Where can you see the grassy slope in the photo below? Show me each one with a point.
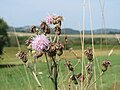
(14, 78)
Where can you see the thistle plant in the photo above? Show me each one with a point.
(79, 78)
(40, 44)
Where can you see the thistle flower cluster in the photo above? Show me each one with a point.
(55, 20)
(74, 77)
(40, 43)
(55, 48)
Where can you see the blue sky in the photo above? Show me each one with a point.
(31, 12)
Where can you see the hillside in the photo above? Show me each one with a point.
(71, 31)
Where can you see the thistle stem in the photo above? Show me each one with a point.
(47, 63)
(55, 73)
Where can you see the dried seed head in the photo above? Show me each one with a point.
(52, 50)
(47, 30)
(89, 68)
(80, 77)
(38, 54)
(28, 41)
(89, 54)
(44, 26)
(69, 65)
(66, 39)
(33, 29)
(105, 65)
(59, 18)
(22, 55)
(59, 52)
(59, 45)
(57, 30)
(74, 79)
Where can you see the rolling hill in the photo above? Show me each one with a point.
(70, 30)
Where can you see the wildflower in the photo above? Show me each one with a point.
(22, 55)
(40, 43)
(105, 65)
(50, 19)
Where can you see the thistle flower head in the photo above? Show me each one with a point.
(50, 19)
(40, 43)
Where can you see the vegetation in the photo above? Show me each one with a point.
(15, 77)
(4, 40)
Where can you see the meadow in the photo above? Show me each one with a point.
(15, 76)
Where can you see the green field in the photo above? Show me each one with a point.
(15, 77)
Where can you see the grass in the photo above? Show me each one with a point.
(15, 78)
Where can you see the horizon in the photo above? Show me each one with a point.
(27, 13)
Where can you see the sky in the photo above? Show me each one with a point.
(18, 13)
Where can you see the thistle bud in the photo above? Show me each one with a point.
(59, 45)
(22, 55)
(27, 42)
(47, 29)
(57, 30)
(52, 50)
(59, 52)
(38, 54)
(42, 25)
(105, 65)
(80, 77)
(89, 67)
(89, 54)
(33, 29)
(69, 65)
(66, 40)
(74, 79)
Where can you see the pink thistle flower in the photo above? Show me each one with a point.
(40, 43)
(50, 19)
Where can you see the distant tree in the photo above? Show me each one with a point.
(4, 40)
